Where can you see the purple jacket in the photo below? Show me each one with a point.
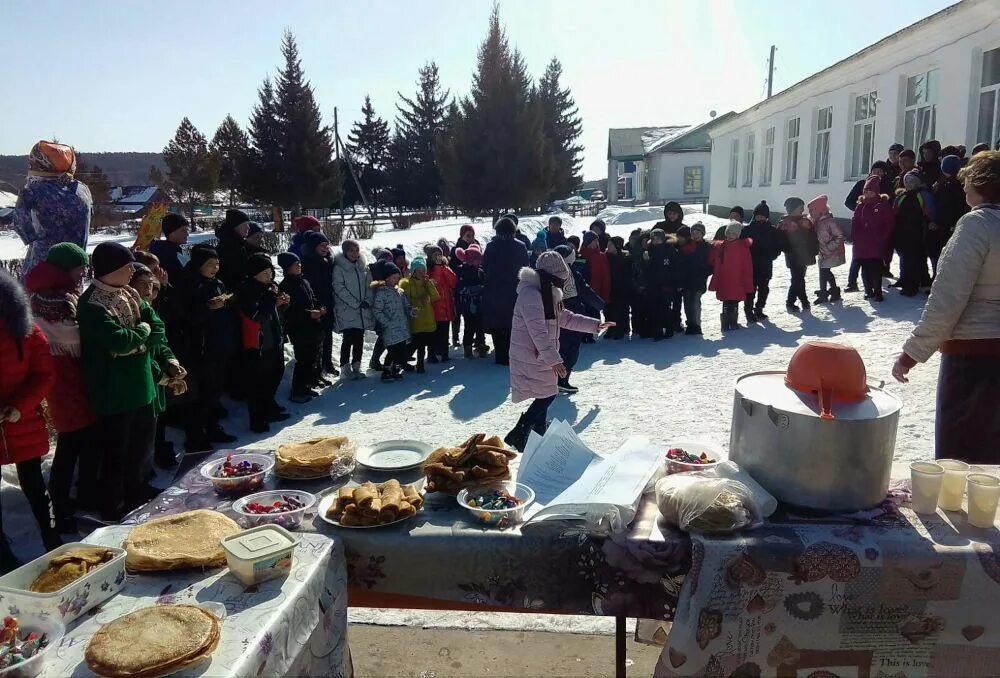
(51, 211)
(534, 341)
(871, 228)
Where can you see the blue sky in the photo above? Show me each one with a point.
(111, 75)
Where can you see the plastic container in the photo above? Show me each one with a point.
(984, 494)
(695, 448)
(498, 517)
(260, 554)
(289, 520)
(926, 479)
(241, 484)
(73, 600)
(53, 628)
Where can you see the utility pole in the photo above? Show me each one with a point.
(770, 72)
(336, 151)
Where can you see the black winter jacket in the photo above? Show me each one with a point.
(319, 272)
(298, 323)
(764, 249)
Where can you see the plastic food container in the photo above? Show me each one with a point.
(695, 448)
(289, 520)
(73, 600)
(242, 484)
(53, 628)
(260, 554)
(498, 517)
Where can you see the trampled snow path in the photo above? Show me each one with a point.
(680, 388)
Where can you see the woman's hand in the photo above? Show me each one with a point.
(900, 369)
(560, 370)
(605, 326)
(316, 313)
(216, 303)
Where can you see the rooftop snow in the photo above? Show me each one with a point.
(634, 142)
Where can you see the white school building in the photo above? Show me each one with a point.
(937, 79)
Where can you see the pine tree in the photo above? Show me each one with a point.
(495, 156)
(368, 144)
(191, 170)
(155, 176)
(562, 129)
(399, 174)
(291, 159)
(95, 178)
(420, 124)
(230, 146)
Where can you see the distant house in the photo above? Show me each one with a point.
(658, 164)
(131, 202)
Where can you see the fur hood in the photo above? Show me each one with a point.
(15, 311)
(341, 260)
(528, 278)
(882, 198)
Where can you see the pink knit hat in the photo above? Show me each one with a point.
(470, 255)
(819, 204)
(873, 185)
(550, 262)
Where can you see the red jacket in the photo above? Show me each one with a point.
(732, 269)
(600, 271)
(871, 228)
(26, 376)
(444, 280)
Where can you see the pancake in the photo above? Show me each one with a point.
(67, 567)
(309, 459)
(153, 642)
(183, 540)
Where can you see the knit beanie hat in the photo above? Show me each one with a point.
(201, 254)
(733, 229)
(762, 209)
(384, 269)
(417, 264)
(306, 223)
(588, 238)
(619, 242)
(511, 216)
(311, 240)
(505, 226)
(658, 234)
(432, 252)
(138, 270)
(873, 185)
(467, 228)
(898, 148)
(66, 256)
(684, 232)
(700, 227)
(384, 255)
(398, 252)
(173, 221)
(108, 257)
(257, 263)
(739, 210)
(540, 242)
(672, 206)
(472, 256)
(564, 251)
(950, 164)
(254, 228)
(793, 203)
(553, 264)
(286, 259)
(819, 205)
(912, 180)
(880, 165)
(601, 226)
(444, 246)
(233, 219)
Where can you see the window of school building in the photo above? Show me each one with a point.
(694, 180)
(791, 172)
(734, 162)
(920, 115)
(748, 166)
(767, 157)
(863, 134)
(988, 130)
(821, 147)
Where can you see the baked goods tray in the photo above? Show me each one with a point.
(73, 600)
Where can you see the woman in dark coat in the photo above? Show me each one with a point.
(232, 248)
(317, 268)
(949, 206)
(504, 258)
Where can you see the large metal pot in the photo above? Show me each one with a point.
(838, 464)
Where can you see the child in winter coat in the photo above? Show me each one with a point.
(601, 229)
(54, 286)
(392, 312)
(636, 248)
(597, 263)
(27, 373)
(949, 207)
(535, 363)
(115, 355)
(871, 230)
(317, 268)
(303, 324)
(799, 243)
(261, 304)
(352, 305)
(620, 267)
(765, 249)
(691, 271)
(445, 281)
(732, 273)
(470, 300)
(302, 226)
(538, 245)
(658, 260)
(673, 218)
(422, 294)
(914, 209)
(831, 248)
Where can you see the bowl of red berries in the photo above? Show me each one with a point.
(685, 456)
(286, 508)
(238, 473)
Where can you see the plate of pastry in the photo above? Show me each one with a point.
(370, 505)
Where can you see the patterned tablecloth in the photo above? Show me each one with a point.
(291, 626)
(443, 555)
(880, 593)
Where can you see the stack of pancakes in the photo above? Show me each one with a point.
(476, 461)
(67, 567)
(311, 459)
(183, 540)
(153, 642)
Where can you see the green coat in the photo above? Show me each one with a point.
(422, 295)
(159, 354)
(115, 359)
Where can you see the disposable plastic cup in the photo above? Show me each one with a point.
(953, 485)
(984, 494)
(926, 479)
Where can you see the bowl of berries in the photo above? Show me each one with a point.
(498, 504)
(286, 508)
(238, 473)
(686, 455)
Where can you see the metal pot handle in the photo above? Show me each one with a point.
(779, 419)
(881, 384)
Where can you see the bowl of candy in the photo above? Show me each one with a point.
(497, 504)
(25, 641)
(286, 508)
(238, 473)
(688, 455)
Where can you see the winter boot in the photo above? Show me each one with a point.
(758, 312)
(806, 306)
(300, 398)
(431, 358)
(356, 371)
(217, 435)
(734, 318)
(518, 436)
(541, 427)
(388, 374)
(835, 294)
(468, 352)
(791, 307)
(566, 387)
(822, 298)
(483, 350)
(750, 315)
(724, 321)
(322, 380)
(330, 369)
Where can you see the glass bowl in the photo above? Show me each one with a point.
(497, 517)
(289, 520)
(242, 484)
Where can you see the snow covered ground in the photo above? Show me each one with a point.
(680, 388)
